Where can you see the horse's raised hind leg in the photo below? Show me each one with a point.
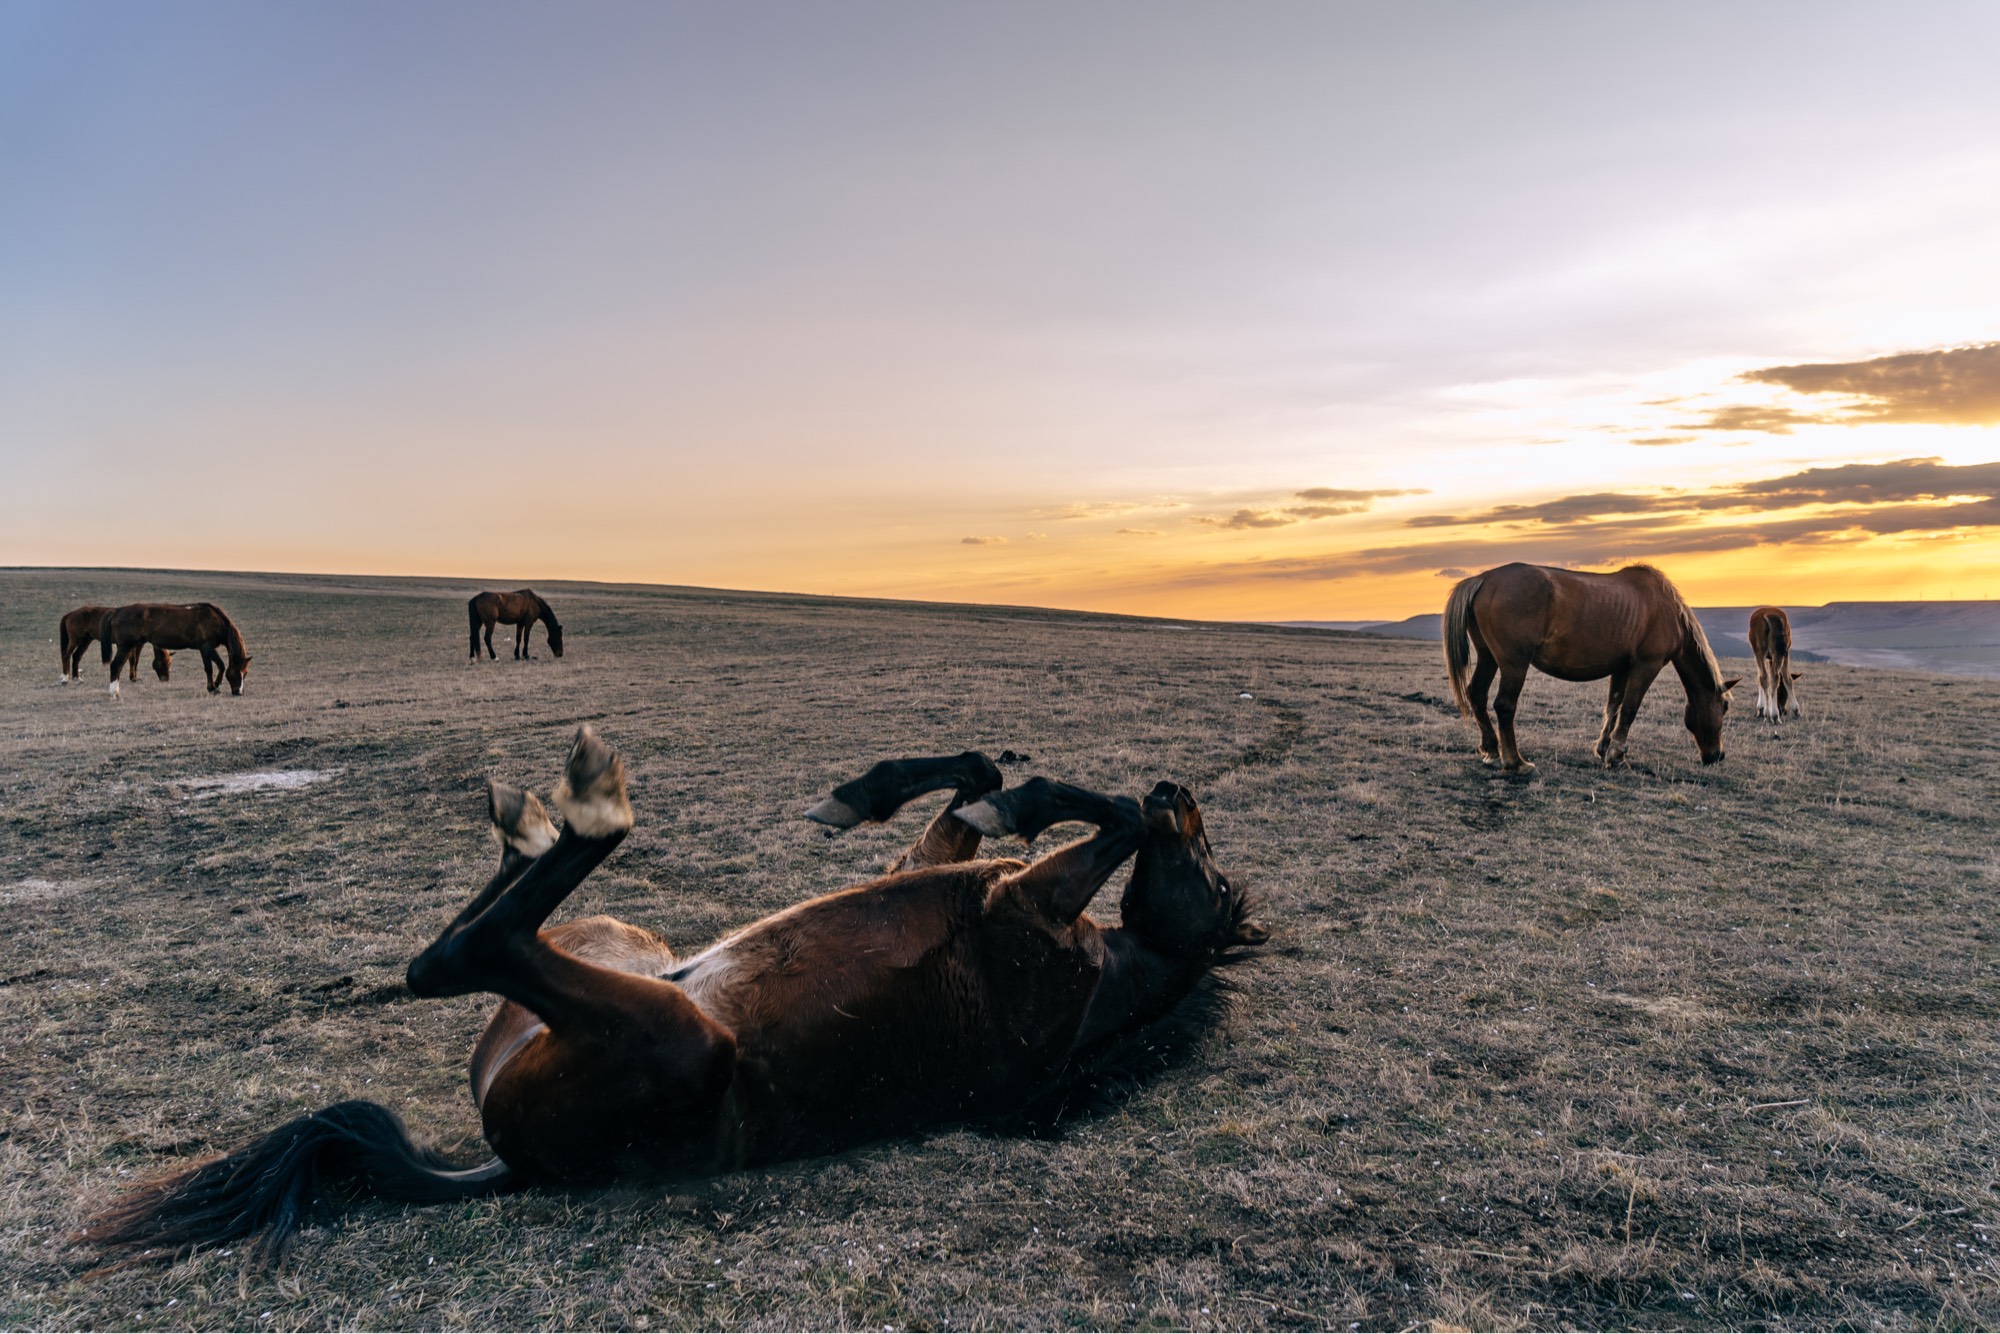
(522, 824)
(1061, 885)
(1637, 681)
(629, 1068)
(889, 786)
(1505, 704)
(1611, 705)
(1475, 690)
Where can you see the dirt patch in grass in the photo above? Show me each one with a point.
(1660, 1047)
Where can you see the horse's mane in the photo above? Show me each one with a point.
(1690, 624)
(237, 649)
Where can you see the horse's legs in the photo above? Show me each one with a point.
(522, 824)
(211, 668)
(126, 653)
(889, 786)
(520, 648)
(1475, 690)
(1061, 885)
(132, 668)
(1637, 681)
(491, 652)
(1505, 702)
(1611, 703)
(625, 1057)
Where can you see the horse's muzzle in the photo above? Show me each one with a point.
(1712, 759)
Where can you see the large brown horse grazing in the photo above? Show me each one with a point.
(166, 625)
(1771, 645)
(1579, 627)
(951, 989)
(520, 609)
(79, 629)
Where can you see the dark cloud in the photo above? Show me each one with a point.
(1871, 484)
(1955, 386)
(1566, 509)
(1452, 572)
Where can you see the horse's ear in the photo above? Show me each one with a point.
(1730, 684)
(1797, 675)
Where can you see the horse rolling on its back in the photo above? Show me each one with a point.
(166, 625)
(79, 629)
(951, 989)
(520, 609)
(1771, 645)
(1579, 627)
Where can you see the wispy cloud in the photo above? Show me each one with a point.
(982, 541)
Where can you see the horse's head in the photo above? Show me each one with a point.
(237, 670)
(555, 637)
(1705, 712)
(1178, 901)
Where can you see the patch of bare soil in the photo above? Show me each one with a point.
(1662, 1047)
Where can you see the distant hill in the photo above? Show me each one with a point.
(1955, 637)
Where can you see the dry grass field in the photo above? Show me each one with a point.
(1662, 1047)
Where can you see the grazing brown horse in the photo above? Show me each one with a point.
(1771, 645)
(520, 609)
(166, 625)
(951, 989)
(79, 629)
(1579, 627)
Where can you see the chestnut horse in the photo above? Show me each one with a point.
(520, 609)
(1579, 627)
(1771, 645)
(199, 625)
(951, 989)
(79, 629)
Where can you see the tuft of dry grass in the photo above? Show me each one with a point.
(1657, 1047)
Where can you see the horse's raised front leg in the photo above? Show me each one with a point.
(1506, 703)
(1061, 885)
(1611, 704)
(889, 786)
(1637, 681)
(629, 1072)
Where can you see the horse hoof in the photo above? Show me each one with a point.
(1521, 770)
(835, 813)
(1488, 760)
(592, 793)
(988, 818)
(520, 821)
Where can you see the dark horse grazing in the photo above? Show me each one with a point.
(200, 625)
(1771, 645)
(949, 989)
(1579, 627)
(520, 609)
(79, 630)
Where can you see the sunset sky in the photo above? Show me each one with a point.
(1244, 310)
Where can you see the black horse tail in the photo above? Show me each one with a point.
(63, 635)
(265, 1191)
(1457, 641)
(104, 640)
(472, 617)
